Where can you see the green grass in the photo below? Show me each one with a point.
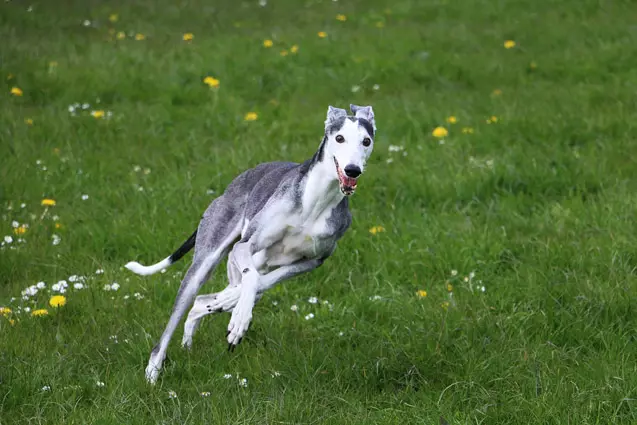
(540, 206)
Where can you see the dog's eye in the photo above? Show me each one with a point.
(367, 141)
(340, 139)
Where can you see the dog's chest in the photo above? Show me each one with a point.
(302, 239)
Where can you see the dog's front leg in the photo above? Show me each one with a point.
(242, 312)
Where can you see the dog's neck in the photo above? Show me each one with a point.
(321, 191)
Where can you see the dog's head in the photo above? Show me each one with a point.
(349, 141)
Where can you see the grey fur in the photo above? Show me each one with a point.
(244, 212)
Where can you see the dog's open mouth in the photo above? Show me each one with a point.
(347, 184)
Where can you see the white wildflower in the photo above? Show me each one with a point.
(243, 382)
(205, 394)
(454, 272)
(84, 197)
(309, 316)
(8, 239)
(56, 239)
(40, 285)
(99, 271)
(15, 224)
(78, 285)
(99, 384)
(172, 394)
(294, 308)
(227, 376)
(312, 300)
(46, 388)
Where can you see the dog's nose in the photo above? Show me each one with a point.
(352, 171)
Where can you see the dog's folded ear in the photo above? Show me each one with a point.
(365, 112)
(333, 115)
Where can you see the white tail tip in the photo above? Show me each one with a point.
(135, 267)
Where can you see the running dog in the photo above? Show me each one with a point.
(287, 218)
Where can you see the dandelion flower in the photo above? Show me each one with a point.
(5, 311)
(39, 312)
(445, 305)
(284, 53)
(421, 293)
(467, 130)
(440, 132)
(250, 116)
(57, 301)
(294, 49)
(188, 36)
(322, 34)
(113, 17)
(28, 121)
(140, 37)
(58, 226)
(212, 82)
(509, 44)
(48, 202)
(341, 18)
(16, 91)
(452, 119)
(492, 120)
(267, 43)
(21, 230)
(376, 229)
(449, 287)
(98, 114)
(496, 92)
(120, 35)
(533, 65)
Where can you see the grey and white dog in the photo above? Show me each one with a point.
(287, 218)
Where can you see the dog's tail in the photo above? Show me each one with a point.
(135, 267)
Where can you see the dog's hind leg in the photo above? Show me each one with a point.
(218, 229)
(207, 304)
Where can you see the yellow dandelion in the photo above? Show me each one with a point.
(533, 65)
(48, 202)
(250, 116)
(57, 301)
(21, 230)
(284, 53)
(28, 121)
(445, 305)
(16, 91)
(120, 35)
(452, 119)
(39, 312)
(380, 24)
(440, 132)
(467, 130)
(188, 36)
(5, 311)
(449, 287)
(492, 120)
(294, 49)
(496, 92)
(140, 37)
(97, 114)
(322, 34)
(113, 17)
(341, 17)
(212, 82)
(268, 43)
(58, 225)
(376, 229)
(421, 293)
(509, 44)
(12, 322)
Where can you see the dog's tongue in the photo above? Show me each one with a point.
(349, 181)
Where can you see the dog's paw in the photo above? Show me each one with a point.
(152, 372)
(239, 323)
(225, 300)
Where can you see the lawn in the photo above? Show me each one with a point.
(489, 275)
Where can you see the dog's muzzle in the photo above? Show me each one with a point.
(347, 184)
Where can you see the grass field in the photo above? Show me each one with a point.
(519, 224)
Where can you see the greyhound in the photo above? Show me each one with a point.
(287, 218)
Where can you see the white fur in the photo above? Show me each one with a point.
(135, 267)
(351, 151)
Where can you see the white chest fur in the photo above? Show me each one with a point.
(306, 232)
